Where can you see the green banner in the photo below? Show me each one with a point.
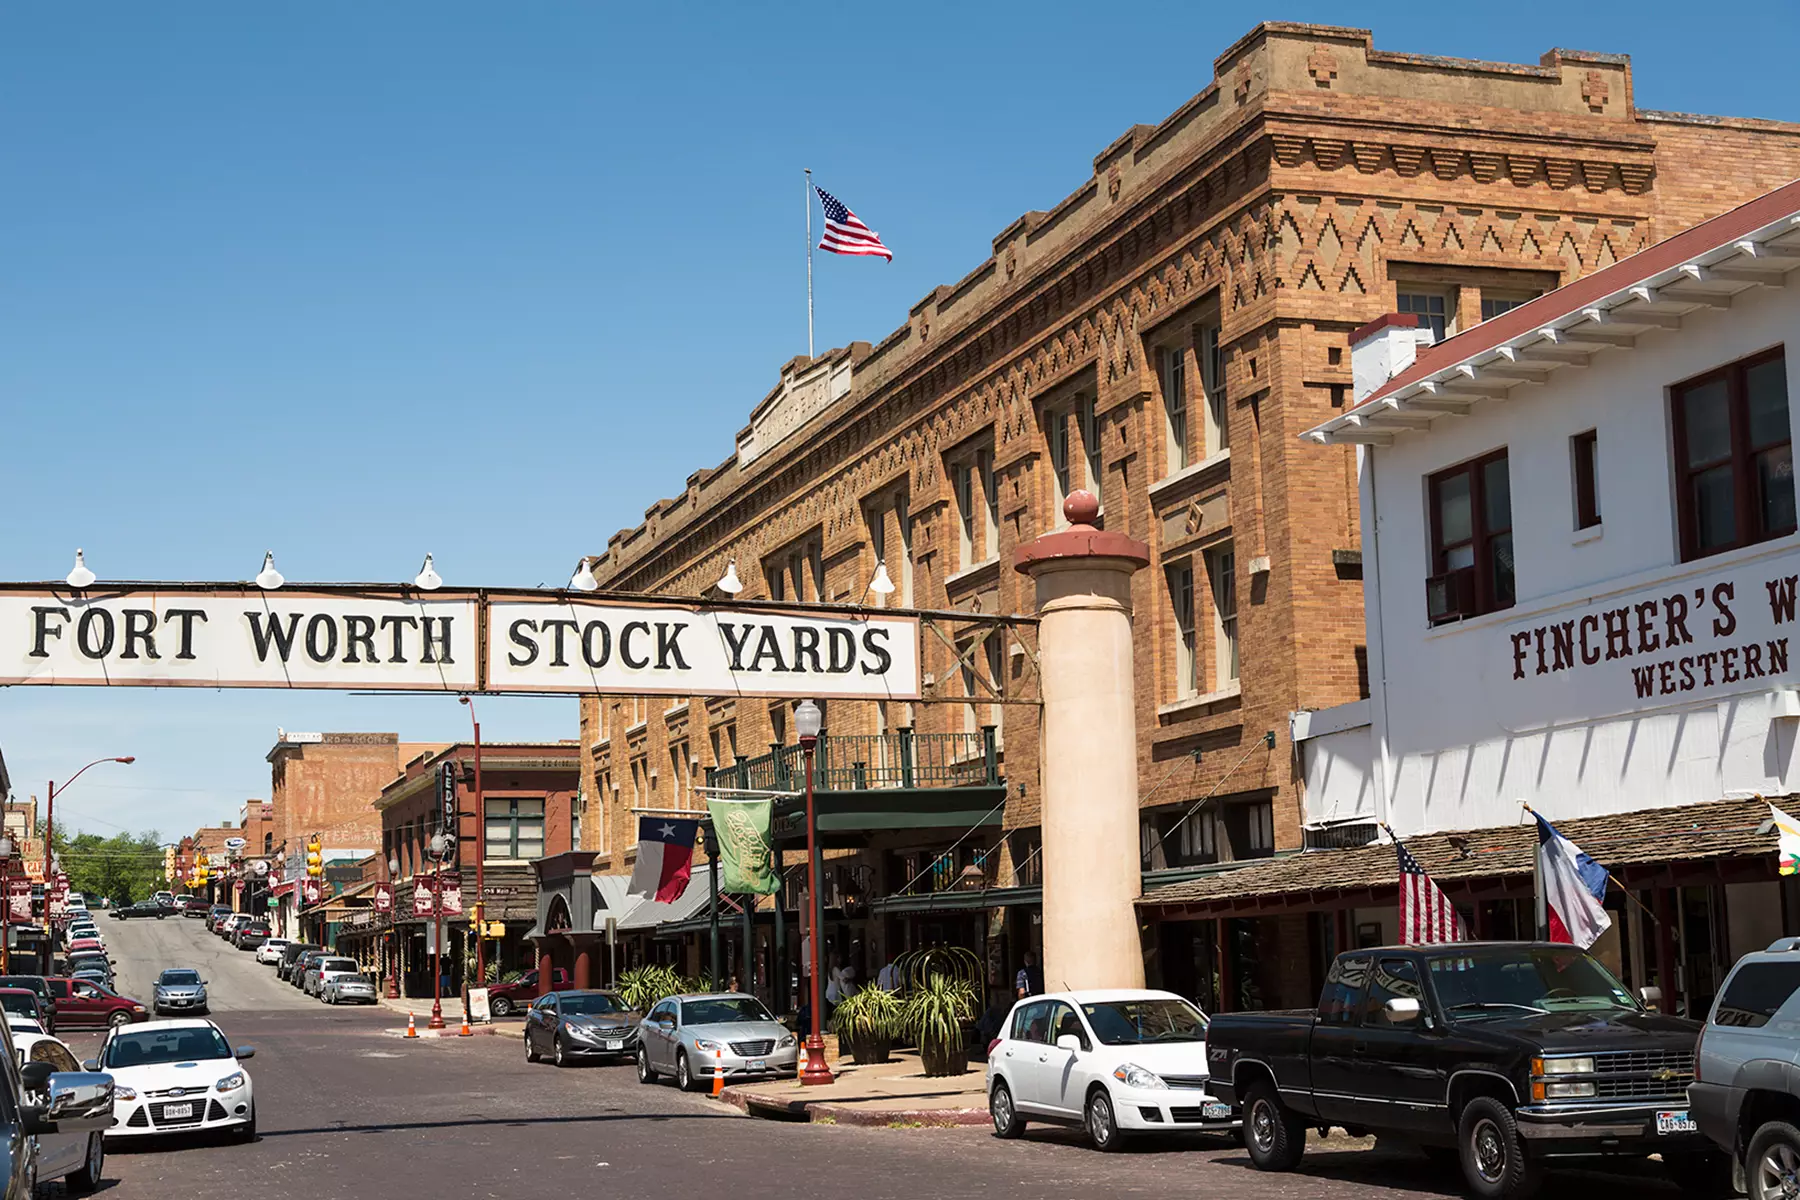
(742, 837)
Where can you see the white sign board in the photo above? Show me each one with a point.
(478, 1006)
(250, 639)
(599, 646)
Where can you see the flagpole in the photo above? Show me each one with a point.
(809, 253)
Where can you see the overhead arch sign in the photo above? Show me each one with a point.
(403, 639)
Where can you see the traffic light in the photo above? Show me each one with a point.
(315, 859)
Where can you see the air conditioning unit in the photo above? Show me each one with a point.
(1450, 596)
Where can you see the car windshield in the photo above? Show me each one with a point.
(1153, 1019)
(188, 1044)
(1509, 981)
(723, 1011)
(23, 1003)
(179, 978)
(594, 1004)
(337, 964)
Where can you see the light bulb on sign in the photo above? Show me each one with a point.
(268, 579)
(428, 579)
(80, 577)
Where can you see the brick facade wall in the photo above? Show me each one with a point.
(1290, 201)
(329, 788)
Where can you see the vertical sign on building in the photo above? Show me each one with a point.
(447, 803)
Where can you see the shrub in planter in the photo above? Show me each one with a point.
(642, 987)
(934, 1014)
(867, 1024)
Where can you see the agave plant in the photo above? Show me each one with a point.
(934, 1015)
(641, 987)
(868, 1022)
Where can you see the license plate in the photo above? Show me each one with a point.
(1216, 1111)
(1675, 1122)
(175, 1112)
(757, 1064)
(613, 1044)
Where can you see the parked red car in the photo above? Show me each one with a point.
(504, 999)
(83, 1004)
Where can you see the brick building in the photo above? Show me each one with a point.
(1160, 337)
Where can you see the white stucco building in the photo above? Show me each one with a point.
(1580, 564)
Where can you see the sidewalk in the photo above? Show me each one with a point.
(419, 1008)
(894, 1093)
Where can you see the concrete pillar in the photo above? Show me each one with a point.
(546, 967)
(1088, 750)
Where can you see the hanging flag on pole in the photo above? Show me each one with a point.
(1788, 849)
(1427, 917)
(665, 856)
(844, 231)
(741, 832)
(1573, 886)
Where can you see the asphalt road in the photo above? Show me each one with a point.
(347, 1109)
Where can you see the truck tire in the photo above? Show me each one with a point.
(1493, 1154)
(1275, 1137)
(1774, 1155)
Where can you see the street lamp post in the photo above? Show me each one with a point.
(480, 855)
(6, 853)
(393, 940)
(440, 849)
(50, 811)
(807, 722)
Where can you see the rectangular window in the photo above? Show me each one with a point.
(1471, 540)
(1584, 455)
(976, 508)
(965, 510)
(990, 506)
(777, 584)
(815, 560)
(1181, 601)
(1432, 308)
(1261, 829)
(1212, 378)
(877, 522)
(1090, 443)
(1757, 992)
(903, 519)
(515, 829)
(1734, 456)
(1056, 434)
(1174, 397)
(1221, 573)
(1493, 305)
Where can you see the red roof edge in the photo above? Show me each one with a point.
(1710, 234)
(1396, 320)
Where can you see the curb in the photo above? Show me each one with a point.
(446, 1032)
(776, 1108)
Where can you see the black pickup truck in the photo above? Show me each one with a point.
(1505, 1054)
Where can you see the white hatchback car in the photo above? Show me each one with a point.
(177, 1077)
(269, 953)
(1114, 1062)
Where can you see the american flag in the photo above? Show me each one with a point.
(844, 231)
(1426, 915)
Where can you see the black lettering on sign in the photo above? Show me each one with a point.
(41, 628)
(437, 640)
(91, 642)
(841, 645)
(186, 618)
(667, 647)
(1675, 609)
(1728, 665)
(1562, 640)
(806, 645)
(1645, 680)
(1521, 643)
(877, 650)
(1687, 674)
(767, 646)
(1648, 642)
(1725, 624)
(625, 639)
(321, 638)
(519, 633)
(1589, 654)
(264, 633)
(560, 629)
(1778, 659)
(140, 628)
(1618, 633)
(395, 626)
(359, 631)
(736, 637)
(596, 655)
(1753, 661)
(1781, 598)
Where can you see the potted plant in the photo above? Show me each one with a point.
(934, 1014)
(641, 987)
(867, 1024)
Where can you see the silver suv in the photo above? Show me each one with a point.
(1746, 1090)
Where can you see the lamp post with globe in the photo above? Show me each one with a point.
(440, 849)
(808, 721)
(393, 942)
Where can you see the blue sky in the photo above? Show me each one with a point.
(356, 281)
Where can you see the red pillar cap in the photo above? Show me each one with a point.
(1080, 539)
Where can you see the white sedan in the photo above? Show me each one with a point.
(269, 953)
(177, 1077)
(1114, 1062)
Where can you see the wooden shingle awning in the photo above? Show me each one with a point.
(1649, 846)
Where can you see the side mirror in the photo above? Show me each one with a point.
(1650, 996)
(1069, 1042)
(245, 1052)
(36, 1076)
(1402, 1010)
(90, 1064)
(80, 1102)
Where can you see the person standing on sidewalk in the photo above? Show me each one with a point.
(1030, 979)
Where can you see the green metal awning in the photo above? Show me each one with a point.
(948, 901)
(844, 815)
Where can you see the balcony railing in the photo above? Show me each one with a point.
(903, 759)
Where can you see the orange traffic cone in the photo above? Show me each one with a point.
(411, 1030)
(718, 1073)
(465, 1031)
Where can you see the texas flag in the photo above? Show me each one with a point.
(1574, 889)
(665, 851)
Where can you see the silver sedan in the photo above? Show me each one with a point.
(691, 1036)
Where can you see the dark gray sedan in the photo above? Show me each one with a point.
(565, 1026)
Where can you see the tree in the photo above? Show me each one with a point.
(124, 868)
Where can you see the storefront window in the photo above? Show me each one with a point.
(515, 829)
